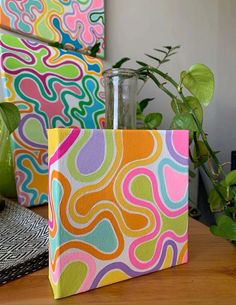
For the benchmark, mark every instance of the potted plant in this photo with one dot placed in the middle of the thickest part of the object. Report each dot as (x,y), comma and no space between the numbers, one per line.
(189,95)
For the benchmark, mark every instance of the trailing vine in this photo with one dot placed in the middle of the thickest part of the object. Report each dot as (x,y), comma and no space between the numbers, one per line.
(198,80)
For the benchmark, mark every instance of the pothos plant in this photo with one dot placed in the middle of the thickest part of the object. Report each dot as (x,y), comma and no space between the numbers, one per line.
(189,95)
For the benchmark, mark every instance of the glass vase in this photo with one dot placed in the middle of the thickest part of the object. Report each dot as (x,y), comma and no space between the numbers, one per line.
(121,98)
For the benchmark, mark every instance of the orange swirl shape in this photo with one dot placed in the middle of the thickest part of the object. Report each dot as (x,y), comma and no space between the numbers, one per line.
(79,231)
(133,220)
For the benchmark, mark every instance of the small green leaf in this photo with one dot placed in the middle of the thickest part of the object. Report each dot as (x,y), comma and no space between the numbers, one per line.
(200,154)
(230,178)
(121,62)
(153,120)
(165,60)
(93,51)
(176,47)
(141,63)
(184,121)
(10,115)
(153,57)
(225,227)
(138,109)
(139,114)
(179,106)
(214,200)
(172,53)
(168,47)
(199,80)
(196,107)
(140,117)
(162,51)
(144,103)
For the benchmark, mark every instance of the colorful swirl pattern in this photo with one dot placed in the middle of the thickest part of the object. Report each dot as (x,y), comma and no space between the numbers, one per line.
(118,202)
(77,24)
(52,88)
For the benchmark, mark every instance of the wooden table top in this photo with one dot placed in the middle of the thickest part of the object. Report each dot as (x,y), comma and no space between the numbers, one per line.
(208,278)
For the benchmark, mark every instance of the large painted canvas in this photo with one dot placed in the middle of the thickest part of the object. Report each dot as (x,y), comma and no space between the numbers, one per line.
(76,24)
(51,88)
(118,205)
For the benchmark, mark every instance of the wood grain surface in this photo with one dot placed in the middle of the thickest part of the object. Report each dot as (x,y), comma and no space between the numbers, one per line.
(208,278)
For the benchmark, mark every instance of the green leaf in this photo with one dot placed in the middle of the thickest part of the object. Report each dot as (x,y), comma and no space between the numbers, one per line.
(141,63)
(10,115)
(230,178)
(196,107)
(93,51)
(165,60)
(172,53)
(121,62)
(179,106)
(184,121)
(176,47)
(140,117)
(144,103)
(199,80)
(225,227)
(153,120)
(168,48)
(153,57)
(200,154)
(162,51)
(214,200)
(138,109)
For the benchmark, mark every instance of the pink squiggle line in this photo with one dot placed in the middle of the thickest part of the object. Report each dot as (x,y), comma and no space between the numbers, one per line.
(61,150)
(65,145)
(131,198)
(81,17)
(142,203)
(22,196)
(66,259)
(158,200)
(158,249)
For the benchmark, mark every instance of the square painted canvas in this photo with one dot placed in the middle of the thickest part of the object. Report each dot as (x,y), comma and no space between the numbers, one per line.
(117,209)
(76,24)
(51,88)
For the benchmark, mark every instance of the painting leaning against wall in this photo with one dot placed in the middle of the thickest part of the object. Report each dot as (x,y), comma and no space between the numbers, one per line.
(99,185)
(52,88)
(75,24)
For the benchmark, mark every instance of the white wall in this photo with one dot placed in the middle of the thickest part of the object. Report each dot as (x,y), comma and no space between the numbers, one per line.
(206,31)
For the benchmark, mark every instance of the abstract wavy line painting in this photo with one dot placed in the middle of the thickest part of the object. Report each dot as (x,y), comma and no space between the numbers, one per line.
(115,212)
(76,24)
(52,88)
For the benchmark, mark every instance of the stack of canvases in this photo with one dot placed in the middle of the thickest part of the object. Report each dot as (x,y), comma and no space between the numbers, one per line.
(117,209)
(52,87)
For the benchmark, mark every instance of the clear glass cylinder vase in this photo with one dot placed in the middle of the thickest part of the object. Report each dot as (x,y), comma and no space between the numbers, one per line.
(121,98)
